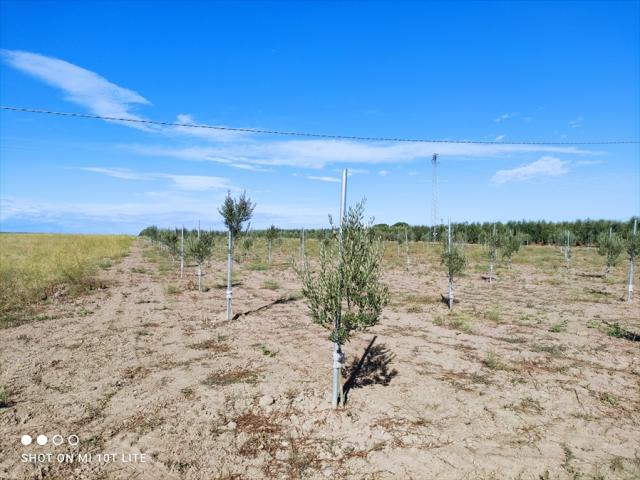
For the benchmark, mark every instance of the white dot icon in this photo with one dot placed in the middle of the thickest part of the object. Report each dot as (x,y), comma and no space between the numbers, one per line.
(25,440)
(57,440)
(42,440)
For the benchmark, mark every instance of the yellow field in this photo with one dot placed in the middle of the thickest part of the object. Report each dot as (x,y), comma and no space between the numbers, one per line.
(33,267)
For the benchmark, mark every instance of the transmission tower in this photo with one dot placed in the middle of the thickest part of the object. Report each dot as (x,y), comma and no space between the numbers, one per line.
(434,194)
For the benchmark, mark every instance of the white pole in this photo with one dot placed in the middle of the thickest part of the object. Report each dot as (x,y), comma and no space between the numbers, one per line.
(450,279)
(302,259)
(631,264)
(182,252)
(406,246)
(229,275)
(337,351)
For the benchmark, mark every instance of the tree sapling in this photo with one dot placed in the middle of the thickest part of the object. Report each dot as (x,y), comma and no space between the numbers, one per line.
(346,294)
(235,212)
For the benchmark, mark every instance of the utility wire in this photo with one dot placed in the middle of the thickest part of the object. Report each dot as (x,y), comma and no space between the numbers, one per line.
(305,134)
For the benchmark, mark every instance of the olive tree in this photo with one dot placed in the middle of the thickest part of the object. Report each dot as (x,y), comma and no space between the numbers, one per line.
(345,294)
(611,246)
(170,240)
(510,243)
(271,235)
(454,261)
(235,213)
(491,242)
(199,248)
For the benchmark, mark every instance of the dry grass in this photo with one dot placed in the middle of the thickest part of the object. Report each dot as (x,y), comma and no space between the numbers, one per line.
(37,267)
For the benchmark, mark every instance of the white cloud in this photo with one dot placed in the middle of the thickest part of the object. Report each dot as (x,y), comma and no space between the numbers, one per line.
(320,153)
(323,179)
(81,86)
(181,182)
(504,116)
(413,173)
(577,123)
(499,138)
(122,173)
(544,167)
(159,208)
(213,134)
(587,162)
(102,97)
(243,150)
(383,173)
(198,182)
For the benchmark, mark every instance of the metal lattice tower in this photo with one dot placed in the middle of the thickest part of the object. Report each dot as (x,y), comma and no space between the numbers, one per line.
(434,194)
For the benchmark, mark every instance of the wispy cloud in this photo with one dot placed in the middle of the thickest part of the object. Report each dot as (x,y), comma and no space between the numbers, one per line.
(577,123)
(383,173)
(504,116)
(581,163)
(198,182)
(544,167)
(320,153)
(240,150)
(102,97)
(181,182)
(158,208)
(122,173)
(323,179)
(499,138)
(82,87)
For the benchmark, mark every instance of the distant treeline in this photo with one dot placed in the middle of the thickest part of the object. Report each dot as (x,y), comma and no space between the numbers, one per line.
(582,232)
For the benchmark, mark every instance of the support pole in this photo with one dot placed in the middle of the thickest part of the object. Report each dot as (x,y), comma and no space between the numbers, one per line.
(450,279)
(406,246)
(337,351)
(631,264)
(182,252)
(229,274)
(302,259)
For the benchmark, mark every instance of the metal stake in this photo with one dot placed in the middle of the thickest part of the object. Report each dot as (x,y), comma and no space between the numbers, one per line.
(229,275)
(450,279)
(406,246)
(182,252)
(631,264)
(337,351)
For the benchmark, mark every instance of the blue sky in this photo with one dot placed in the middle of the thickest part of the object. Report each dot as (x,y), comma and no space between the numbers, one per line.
(510,71)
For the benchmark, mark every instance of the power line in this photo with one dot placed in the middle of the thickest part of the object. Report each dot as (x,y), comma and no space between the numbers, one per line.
(304,134)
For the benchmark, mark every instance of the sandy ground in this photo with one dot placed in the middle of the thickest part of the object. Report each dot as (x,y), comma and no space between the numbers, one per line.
(522,381)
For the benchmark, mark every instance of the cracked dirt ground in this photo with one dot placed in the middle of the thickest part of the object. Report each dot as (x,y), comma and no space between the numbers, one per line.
(521,381)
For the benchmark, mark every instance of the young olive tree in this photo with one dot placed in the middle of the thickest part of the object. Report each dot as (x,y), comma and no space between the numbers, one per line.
(454,261)
(235,212)
(346,294)
(200,250)
(611,246)
(247,245)
(567,241)
(271,235)
(491,242)
(510,244)
(170,240)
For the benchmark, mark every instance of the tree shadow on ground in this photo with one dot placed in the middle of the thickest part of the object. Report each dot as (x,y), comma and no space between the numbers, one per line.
(373,368)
